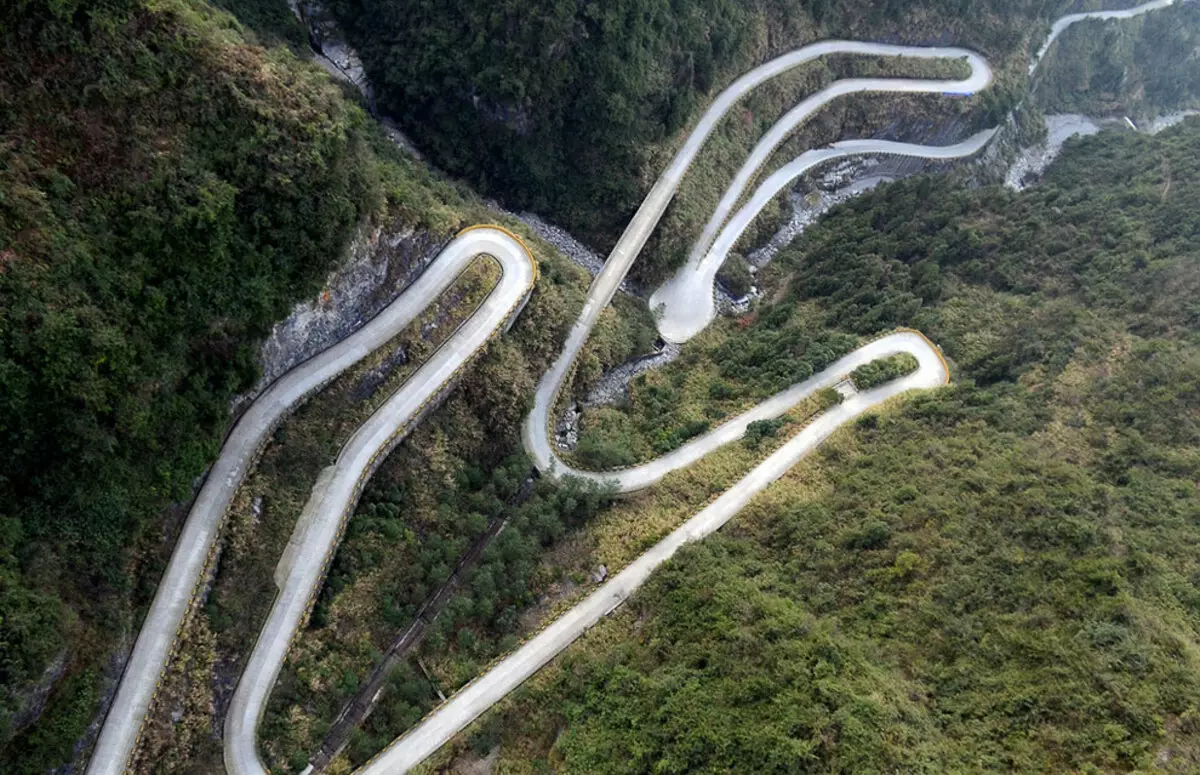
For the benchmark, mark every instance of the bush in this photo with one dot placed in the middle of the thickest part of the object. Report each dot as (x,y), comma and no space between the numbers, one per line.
(735,276)
(883,370)
(601,454)
(762,429)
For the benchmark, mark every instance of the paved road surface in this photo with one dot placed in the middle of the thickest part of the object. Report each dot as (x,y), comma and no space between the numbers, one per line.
(198,539)
(453,716)
(1072,18)
(304,562)
(642,476)
(686,308)
(687,300)
(483,692)
(638,231)
(678,298)
(320,527)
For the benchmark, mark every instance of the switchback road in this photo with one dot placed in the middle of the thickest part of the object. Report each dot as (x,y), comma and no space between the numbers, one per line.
(302,569)
(316,535)
(485,691)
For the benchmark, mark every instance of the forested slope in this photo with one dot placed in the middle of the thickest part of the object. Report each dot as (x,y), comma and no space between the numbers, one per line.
(1141,67)
(171,184)
(570,108)
(167,191)
(996,576)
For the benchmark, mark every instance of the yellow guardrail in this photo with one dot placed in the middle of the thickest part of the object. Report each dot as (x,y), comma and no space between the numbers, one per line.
(937,350)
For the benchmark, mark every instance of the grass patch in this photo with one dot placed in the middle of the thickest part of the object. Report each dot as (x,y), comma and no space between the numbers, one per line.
(883,370)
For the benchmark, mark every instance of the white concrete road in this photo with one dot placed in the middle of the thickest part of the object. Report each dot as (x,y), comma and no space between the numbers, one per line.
(487,690)
(1072,18)
(688,303)
(679,303)
(176,591)
(647,474)
(319,530)
(304,563)
(685,307)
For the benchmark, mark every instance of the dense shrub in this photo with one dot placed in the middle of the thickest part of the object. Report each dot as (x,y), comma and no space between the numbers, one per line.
(168,192)
(883,370)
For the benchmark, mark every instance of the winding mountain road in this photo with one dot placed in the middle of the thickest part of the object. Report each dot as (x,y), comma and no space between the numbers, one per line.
(687,301)
(333,499)
(630,245)
(682,306)
(644,475)
(479,695)
(318,531)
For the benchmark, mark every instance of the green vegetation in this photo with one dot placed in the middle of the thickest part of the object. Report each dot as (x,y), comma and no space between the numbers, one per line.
(169,191)
(775,352)
(883,370)
(1139,67)
(492,89)
(762,429)
(624,330)
(735,273)
(1033,611)
(399,546)
(263,518)
(481,620)
(272,20)
(725,371)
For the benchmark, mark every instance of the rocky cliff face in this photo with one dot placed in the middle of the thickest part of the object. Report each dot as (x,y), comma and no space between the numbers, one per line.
(380,263)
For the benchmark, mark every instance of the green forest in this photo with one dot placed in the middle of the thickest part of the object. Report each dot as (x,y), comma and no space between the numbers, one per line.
(168,190)
(492,90)
(996,576)
(1141,67)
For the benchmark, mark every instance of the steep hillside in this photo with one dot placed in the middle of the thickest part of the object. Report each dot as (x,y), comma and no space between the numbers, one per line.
(1141,67)
(998,576)
(1016,553)
(570,107)
(167,192)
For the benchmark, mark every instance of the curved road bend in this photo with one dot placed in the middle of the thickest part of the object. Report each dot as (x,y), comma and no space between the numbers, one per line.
(686,310)
(647,474)
(687,297)
(465,706)
(119,735)
(122,725)
(337,490)
(676,305)
(630,244)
